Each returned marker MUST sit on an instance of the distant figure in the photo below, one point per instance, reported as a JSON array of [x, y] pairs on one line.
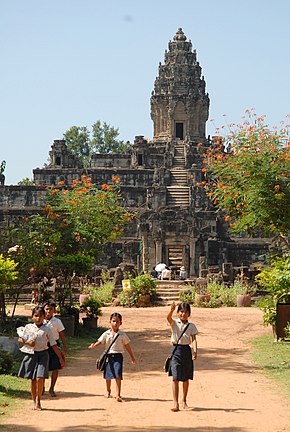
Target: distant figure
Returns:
[[182, 273], [154, 273], [166, 274]]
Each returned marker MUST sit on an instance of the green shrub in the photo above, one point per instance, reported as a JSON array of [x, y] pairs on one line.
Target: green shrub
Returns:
[[103, 293], [140, 285], [6, 363], [188, 295]]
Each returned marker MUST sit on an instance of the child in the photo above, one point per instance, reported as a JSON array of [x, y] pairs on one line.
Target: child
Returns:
[[58, 333], [182, 360], [34, 365], [114, 366]]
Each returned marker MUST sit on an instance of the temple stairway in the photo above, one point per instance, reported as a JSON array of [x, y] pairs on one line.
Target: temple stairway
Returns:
[[178, 191], [169, 291]]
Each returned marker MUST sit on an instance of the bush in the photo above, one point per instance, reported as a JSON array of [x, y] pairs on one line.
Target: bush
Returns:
[[6, 363], [103, 293], [140, 285]]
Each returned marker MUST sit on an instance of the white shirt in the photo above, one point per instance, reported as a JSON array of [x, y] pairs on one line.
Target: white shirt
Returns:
[[55, 325], [118, 346], [177, 327], [43, 334]]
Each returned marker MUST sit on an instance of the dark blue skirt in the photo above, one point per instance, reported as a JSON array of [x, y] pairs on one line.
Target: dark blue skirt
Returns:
[[34, 365], [114, 366], [54, 363], [181, 363]]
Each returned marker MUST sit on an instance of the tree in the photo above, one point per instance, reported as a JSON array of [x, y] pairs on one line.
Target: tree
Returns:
[[2, 169], [73, 227], [102, 139], [8, 274], [247, 174], [25, 182]]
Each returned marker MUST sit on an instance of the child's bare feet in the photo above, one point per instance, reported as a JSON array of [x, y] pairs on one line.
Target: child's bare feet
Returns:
[[175, 408], [119, 399], [108, 395], [52, 393], [184, 405], [37, 406]]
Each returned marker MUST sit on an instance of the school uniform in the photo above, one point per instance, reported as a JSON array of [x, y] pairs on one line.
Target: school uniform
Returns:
[[56, 327], [182, 367], [114, 365], [36, 365]]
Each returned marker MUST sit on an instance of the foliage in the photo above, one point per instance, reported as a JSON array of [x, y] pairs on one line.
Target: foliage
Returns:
[[103, 293], [25, 182], [102, 139], [140, 285], [91, 307], [188, 294], [275, 279], [6, 362], [247, 176], [2, 166], [76, 220], [8, 274], [73, 227]]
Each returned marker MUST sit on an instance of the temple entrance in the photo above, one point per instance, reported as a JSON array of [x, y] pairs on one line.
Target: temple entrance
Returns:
[[179, 133]]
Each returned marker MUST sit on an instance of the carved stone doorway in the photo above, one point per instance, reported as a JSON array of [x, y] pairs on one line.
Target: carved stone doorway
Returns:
[[179, 132]]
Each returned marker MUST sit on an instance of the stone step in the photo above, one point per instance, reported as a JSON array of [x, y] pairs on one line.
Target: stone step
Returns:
[[179, 177], [177, 195]]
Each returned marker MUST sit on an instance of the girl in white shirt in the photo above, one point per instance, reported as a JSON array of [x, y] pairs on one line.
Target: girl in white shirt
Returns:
[[114, 365], [34, 365], [182, 360]]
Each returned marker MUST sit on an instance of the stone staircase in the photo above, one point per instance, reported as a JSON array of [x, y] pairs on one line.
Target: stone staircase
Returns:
[[169, 291], [177, 196], [179, 159], [178, 177]]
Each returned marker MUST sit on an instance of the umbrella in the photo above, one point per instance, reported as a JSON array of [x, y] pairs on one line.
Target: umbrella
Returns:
[[160, 267]]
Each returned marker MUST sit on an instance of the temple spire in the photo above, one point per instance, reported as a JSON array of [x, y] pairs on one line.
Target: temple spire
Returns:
[[179, 104]]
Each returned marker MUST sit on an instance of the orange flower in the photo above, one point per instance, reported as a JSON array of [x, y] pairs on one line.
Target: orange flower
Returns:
[[227, 218], [115, 179], [277, 187], [106, 187]]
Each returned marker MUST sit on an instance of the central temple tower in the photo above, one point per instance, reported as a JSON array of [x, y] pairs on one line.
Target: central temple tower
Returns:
[[179, 104]]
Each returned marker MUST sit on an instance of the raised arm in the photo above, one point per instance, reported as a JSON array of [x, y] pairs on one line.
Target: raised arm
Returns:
[[169, 316]]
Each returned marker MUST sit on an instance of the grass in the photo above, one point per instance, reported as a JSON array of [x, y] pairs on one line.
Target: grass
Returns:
[[15, 391], [273, 359]]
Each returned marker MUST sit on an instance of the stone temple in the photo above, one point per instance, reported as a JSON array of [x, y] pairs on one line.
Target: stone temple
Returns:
[[176, 224]]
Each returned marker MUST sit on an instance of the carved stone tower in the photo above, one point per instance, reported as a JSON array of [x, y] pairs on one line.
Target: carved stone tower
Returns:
[[179, 104]]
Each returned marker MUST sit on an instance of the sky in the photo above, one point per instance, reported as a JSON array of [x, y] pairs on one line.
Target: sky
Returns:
[[73, 62]]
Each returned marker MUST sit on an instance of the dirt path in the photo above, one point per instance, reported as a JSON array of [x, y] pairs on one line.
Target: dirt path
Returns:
[[228, 393]]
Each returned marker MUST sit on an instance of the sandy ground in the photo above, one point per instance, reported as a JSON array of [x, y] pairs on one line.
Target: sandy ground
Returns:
[[227, 394]]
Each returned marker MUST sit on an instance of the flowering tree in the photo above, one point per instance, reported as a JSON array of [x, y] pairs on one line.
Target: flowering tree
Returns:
[[74, 225], [247, 174]]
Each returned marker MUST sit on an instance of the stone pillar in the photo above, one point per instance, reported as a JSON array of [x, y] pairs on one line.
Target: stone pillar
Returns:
[[145, 251], [192, 271], [158, 251], [202, 266]]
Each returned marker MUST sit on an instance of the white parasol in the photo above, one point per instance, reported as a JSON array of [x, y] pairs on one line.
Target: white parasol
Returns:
[[160, 267]]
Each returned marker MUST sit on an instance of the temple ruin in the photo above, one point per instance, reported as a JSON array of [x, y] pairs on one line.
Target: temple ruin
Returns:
[[176, 224]]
